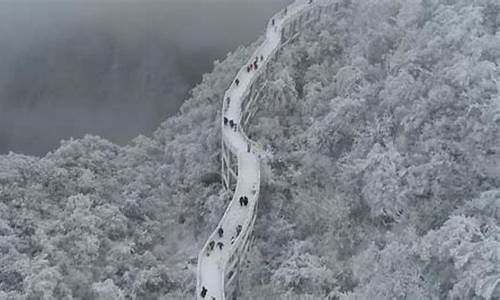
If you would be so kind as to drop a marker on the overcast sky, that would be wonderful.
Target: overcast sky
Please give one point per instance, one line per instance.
(70, 67)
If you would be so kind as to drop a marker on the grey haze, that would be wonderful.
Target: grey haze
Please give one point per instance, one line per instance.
(112, 68)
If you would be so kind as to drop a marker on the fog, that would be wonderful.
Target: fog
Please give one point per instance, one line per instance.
(111, 68)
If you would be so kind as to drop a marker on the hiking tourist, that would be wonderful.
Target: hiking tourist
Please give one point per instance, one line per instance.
(220, 245)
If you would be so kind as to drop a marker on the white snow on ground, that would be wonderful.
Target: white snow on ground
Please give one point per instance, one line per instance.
(211, 266)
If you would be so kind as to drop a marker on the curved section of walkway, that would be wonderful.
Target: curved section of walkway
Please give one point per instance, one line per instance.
(218, 262)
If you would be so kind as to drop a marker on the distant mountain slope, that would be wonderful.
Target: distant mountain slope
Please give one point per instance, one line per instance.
(93, 220)
(382, 124)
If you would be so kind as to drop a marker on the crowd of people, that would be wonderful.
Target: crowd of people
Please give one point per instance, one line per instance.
(253, 66)
(220, 233)
(243, 199)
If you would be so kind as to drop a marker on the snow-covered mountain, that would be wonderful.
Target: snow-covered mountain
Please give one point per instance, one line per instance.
(381, 178)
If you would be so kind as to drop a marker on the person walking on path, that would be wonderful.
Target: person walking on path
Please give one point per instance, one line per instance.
(220, 232)
(220, 245)
(203, 292)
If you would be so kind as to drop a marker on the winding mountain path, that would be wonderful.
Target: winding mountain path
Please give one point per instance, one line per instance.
(218, 267)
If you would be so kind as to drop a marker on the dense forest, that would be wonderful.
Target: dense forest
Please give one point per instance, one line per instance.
(381, 176)
(93, 220)
(383, 171)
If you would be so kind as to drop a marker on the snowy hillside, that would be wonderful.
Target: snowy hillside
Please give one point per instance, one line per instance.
(381, 176)
(92, 219)
(385, 151)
